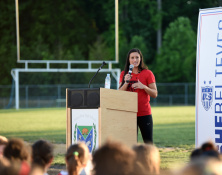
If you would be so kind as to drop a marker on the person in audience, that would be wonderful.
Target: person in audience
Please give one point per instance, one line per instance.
(42, 155)
(17, 150)
(36, 170)
(148, 155)
(210, 166)
(76, 158)
(114, 158)
(204, 160)
(3, 143)
(195, 154)
(4, 164)
(19, 154)
(207, 150)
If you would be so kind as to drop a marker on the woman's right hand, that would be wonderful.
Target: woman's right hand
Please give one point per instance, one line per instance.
(127, 78)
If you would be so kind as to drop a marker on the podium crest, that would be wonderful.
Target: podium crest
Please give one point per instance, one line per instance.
(207, 97)
(86, 134)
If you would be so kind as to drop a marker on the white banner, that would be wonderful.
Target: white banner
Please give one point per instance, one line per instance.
(209, 78)
(85, 123)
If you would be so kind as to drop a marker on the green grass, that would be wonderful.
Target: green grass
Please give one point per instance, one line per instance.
(59, 159)
(174, 127)
(34, 124)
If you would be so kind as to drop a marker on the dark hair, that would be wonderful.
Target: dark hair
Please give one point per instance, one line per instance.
(196, 153)
(141, 66)
(208, 146)
(16, 149)
(42, 152)
(207, 150)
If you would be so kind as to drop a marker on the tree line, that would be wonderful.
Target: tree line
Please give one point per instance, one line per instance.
(85, 30)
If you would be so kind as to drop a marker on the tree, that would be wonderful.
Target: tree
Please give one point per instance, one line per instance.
(7, 41)
(171, 10)
(176, 62)
(99, 51)
(66, 30)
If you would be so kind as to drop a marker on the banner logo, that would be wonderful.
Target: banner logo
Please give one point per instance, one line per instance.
(207, 96)
(86, 134)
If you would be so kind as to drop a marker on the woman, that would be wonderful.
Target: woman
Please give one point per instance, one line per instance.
(141, 81)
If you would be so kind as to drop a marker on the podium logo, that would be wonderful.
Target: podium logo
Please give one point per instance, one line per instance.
(207, 96)
(86, 134)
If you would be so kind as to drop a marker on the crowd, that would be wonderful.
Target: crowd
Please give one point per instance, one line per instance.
(113, 158)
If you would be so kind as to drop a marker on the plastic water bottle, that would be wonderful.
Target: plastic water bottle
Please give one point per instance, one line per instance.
(107, 81)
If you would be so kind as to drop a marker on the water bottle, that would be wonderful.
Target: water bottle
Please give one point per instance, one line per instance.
(107, 81)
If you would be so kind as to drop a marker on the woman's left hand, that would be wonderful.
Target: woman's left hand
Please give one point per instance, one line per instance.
(138, 85)
(150, 89)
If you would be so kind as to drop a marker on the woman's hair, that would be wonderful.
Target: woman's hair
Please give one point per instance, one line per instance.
(42, 152)
(148, 155)
(141, 66)
(17, 150)
(76, 156)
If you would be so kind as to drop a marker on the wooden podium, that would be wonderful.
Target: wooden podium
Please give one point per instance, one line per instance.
(116, 110)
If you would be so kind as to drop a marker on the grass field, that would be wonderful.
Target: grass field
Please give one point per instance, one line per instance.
(174, 129)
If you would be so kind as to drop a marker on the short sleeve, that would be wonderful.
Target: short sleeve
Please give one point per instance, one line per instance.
(151, 77)
(121, 76)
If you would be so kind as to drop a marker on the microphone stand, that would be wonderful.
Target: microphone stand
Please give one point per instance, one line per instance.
(104, 63)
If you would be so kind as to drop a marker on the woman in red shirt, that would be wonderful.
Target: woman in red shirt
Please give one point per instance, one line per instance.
(142, 81)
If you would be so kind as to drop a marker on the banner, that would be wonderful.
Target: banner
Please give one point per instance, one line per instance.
(209, 78)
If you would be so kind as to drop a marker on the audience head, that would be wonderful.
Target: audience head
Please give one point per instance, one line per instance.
(14, 167)
(208, 146)
(42, 154)
(77, 157)
(148, 155)
(207, 150)
(195, 154)
(3, 143)
(113, 158)
(202, 167)
(17, 150)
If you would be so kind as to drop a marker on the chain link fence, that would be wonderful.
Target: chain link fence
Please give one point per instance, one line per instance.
(39, 96)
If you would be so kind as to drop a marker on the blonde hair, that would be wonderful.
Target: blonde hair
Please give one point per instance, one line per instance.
(202, 167)
(148, 155)
(3, 140)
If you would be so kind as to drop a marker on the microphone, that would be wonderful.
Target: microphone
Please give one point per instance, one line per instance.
(131, 66)
(104, 63)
